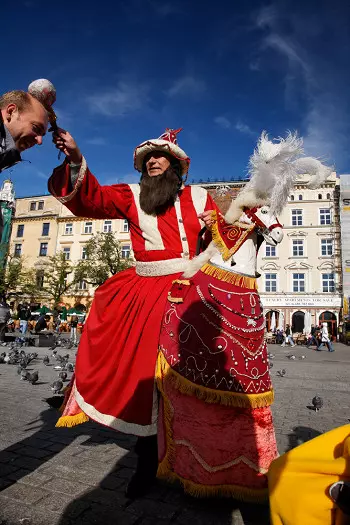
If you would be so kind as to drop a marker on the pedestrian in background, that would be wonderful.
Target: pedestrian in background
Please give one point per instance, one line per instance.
(287, 337)
(4, 317)
(312, 340)
(24, 316)
(73, 328)
(325, 339)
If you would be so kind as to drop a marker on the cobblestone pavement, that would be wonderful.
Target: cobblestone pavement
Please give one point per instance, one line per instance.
(52, 476)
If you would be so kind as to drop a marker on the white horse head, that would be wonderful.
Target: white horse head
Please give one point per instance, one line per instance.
(266, 223)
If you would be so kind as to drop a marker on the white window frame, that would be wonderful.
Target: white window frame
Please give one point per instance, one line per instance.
(15, 249)
(328, 281)
(126, 228)
(66, 251)
(298, 243)
(82, 285)
(296, 215)
(270, 248)
(41, 205)
(68, 230)
(47, 249)
(107, 226)
(326, 243)
(320, 214)
(270, 281)
(32, 208)
(87, 226)
(299, 282)
(125, 247)
(83, 254)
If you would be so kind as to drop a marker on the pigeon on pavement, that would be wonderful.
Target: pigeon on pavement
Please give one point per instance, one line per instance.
(317, 402)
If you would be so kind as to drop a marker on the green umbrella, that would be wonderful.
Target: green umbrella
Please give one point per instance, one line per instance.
(72, 311)
(44, 309)
(64, 314)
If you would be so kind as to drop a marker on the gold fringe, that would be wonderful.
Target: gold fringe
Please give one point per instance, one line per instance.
(238, 492)
(165, 471)
(230, 277)
(185, 282)
(72, 421)
(209, 395)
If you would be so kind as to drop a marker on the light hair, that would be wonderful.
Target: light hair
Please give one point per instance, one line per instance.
(22, 99)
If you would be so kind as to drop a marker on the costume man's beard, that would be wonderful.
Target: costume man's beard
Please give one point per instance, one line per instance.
(159, 192)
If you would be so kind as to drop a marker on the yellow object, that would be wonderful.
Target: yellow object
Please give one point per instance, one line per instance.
(229, 277)
(299, 481)
(72, 421)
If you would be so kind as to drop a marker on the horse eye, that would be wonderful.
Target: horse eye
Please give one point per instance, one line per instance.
(263, 211)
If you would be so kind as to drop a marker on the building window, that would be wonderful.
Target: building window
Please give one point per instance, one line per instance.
(270, 251)
(40, 279)
(32, 206)
(125, 226)
(319, 197)
(66, 251)
(125, 251)
(82, 285)
(43, 249)
(46, 229)
(325, 216)
(298, 282)
(84, 254)
(298, 248)
(68, 228)
(40, 205)
(292, 197)
(18, 250)
(107, 226)
(270, 282)
(326, 246)
(328, 284)
(88, 227)
(329, 196)
(297, 217)
(20, 230)
(300, 197)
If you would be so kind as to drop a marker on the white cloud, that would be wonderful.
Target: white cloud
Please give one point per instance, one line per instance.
(186, 86)
(122, 100)
(310, 77)
(223, 122)
(97, 141)
(245, 129)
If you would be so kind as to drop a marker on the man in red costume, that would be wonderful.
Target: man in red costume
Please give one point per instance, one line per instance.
(115, 366)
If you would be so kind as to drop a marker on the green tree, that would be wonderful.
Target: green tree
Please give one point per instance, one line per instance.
(56, 283)
(103, 259)
(16, 279)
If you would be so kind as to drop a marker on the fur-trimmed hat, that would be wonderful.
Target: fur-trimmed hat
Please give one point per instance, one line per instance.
(167, 143)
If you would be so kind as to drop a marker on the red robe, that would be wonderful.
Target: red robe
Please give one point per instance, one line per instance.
(115, 365)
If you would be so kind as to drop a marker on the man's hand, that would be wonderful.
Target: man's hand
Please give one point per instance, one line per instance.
(207, 218)
(65, 142)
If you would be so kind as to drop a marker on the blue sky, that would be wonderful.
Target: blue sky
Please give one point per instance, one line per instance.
(224, 71)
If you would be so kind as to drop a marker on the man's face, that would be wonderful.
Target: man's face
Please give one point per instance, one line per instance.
(27, 127)
(156, 163)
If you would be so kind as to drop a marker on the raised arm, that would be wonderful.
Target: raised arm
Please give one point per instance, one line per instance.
(75, 186)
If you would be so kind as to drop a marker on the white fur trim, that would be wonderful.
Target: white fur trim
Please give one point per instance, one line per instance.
(183, 237)
(160, 145)
(197, 262)
(158, 268)
(199, 199)
(77, 185)
(148, 223)
(115, 423)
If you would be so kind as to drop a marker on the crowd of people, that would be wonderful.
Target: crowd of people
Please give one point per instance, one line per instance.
(319, 336)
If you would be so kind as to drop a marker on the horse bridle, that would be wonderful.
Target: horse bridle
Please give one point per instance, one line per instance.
(261, 227)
